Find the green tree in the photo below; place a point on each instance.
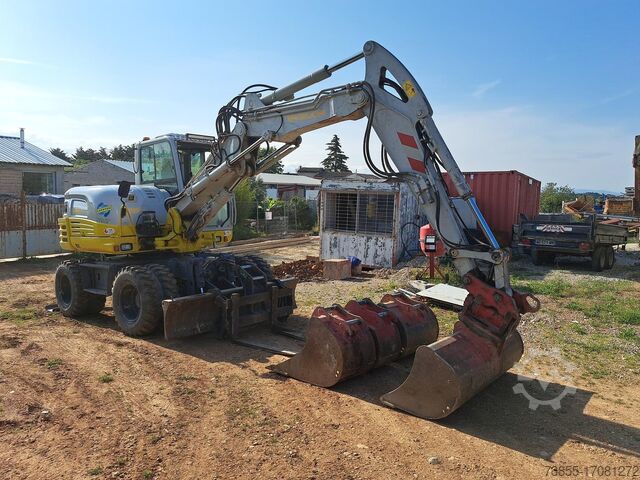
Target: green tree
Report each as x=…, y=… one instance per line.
x=249, y=194
x=103, y=153
x=123, y=152
x=86, y=154
x=277, y=167
x=336, y=159
x=552, y=196
x=58, y=152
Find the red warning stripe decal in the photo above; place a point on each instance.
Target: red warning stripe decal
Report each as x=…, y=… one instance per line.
x=417, y=165
x=407, y=140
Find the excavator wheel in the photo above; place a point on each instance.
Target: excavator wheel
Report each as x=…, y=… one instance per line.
x=137, y=301
x=72, y=299
x=167, y=280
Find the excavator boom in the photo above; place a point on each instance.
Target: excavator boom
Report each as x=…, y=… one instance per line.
x=485, y=342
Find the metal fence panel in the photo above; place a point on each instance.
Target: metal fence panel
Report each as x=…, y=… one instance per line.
x=279, y=217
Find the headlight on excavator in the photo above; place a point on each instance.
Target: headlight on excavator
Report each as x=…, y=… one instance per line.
x=125, y=247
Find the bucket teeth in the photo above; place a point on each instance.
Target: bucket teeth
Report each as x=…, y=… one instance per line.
x=345, y=342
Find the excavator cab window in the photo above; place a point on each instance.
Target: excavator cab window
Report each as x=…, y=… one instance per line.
x=190, y=162
x=156, y=163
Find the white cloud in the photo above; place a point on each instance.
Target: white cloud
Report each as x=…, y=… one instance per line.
x=618, y=96
x=17, y=61
x=483, y=88
x=551, y=149
x=583, y=154
x=16, y=93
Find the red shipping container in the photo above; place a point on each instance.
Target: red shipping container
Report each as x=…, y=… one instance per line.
x=502, y=197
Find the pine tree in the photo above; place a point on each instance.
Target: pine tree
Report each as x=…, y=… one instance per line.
x=336, y=159
x=123, y=152
x=58, y=152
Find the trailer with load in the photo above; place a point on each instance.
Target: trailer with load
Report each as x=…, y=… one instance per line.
x=553, y=234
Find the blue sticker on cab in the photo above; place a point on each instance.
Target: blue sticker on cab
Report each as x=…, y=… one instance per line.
x=103, y=210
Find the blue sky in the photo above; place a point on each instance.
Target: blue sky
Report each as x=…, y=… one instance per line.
x=550, y=88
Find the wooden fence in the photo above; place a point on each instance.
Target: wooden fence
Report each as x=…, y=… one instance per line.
x=28, y=228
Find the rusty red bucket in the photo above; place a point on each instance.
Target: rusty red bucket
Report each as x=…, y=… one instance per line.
x=416, y=321
x=447, y=373
x=344, y=342
x=339, y=345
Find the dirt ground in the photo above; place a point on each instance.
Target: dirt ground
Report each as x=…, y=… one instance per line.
x=78, y=399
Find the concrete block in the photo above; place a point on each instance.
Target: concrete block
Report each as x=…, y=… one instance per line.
x=336, y=269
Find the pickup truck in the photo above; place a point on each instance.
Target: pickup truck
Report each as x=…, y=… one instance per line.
x=549, y=235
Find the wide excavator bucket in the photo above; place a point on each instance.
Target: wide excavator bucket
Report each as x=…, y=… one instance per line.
x=338, y=346
x=450, y=371
x=345, y=342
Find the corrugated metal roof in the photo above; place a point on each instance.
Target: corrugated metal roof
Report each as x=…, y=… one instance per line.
x=10, y=152
x=125, y=165
x=282, y=179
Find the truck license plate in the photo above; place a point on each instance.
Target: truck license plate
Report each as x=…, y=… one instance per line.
x=545, y=242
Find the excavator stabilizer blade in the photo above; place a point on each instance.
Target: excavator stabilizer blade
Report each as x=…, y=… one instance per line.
x=450, y=371
x=192, y=315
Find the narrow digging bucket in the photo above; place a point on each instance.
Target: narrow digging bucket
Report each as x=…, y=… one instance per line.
x=386, y=335
x=450, y=371
x=415, y=320
x=339, y=345
x=345, y=342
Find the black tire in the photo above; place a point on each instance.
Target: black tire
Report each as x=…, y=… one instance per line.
x=536, y=257
x=167, y=280
x=610, y=258
x=550, y=258
x=137, y=302
x=72, y=300
x=598, y=259
x=542, y=258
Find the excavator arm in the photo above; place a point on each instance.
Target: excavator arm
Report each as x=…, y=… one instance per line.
x=413, y=151
x=485, y=342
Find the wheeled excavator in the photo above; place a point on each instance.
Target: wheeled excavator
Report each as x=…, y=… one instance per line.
x=150, y=244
